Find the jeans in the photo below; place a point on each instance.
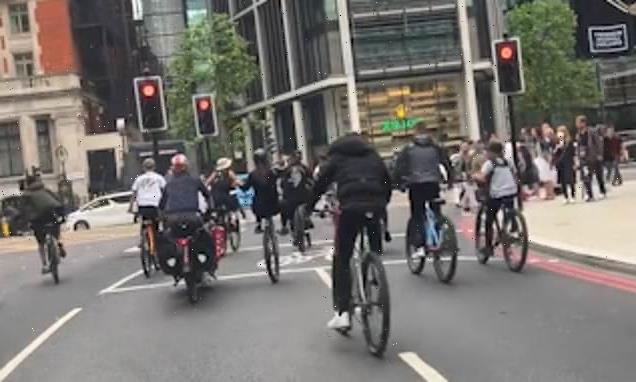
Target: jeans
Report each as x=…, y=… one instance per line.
x=612, y=168
x=572, y=187
x=419, y=194
x=350, y=222
x=493, y=206
x=593, y=169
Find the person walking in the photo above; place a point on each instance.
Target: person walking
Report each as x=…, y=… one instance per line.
x=613, y=145
x=564, y=161
x=547, y=175
x=590, y=154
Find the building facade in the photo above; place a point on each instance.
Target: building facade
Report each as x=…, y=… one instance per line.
x=332, y=66
x=53, y=109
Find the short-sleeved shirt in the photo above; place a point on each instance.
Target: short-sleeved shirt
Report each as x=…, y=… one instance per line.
x=149, y=188
x=502, y=180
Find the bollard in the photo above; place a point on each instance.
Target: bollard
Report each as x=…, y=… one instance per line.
x=4, y=224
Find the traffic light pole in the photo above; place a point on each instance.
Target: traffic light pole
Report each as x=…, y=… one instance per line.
x=155, y=147
x=208, y=153
x=513, y=142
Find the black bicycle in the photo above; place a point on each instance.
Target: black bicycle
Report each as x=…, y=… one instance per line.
x=300, y=229
x=370, y=301
x=52, y=250
x=510, y=234
x=271, y=249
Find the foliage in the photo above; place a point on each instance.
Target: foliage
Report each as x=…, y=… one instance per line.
x=212, y=58
x=556, y=81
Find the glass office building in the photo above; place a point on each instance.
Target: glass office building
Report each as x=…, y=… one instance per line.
x=332, y=66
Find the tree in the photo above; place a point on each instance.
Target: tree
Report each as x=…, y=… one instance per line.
x=212, y=58
x=556, y=81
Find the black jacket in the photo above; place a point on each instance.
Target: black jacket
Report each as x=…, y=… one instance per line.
x=362, y=179
x=38, y=202
x=419, y=163
x=181, y=194
x=265, y=203
x=296, y=183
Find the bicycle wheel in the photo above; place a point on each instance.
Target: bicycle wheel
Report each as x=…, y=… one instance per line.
x=299, y=231
x=376, y=313
x=416, y=266
x=270, y=245
x=515, y=241
x=445, y=259
x=144, y=254
x=235, y=234
x=480, y=235
x=192, y=285
x=54, y=258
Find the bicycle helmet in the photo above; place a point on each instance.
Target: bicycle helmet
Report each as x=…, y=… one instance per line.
x=260, y=156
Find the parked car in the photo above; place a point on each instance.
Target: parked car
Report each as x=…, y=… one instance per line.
x=104, y=211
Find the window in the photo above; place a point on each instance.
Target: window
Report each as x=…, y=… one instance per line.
x=196, y=11
x=44, y=145
x=100, y=203
x=11, y=163
x=23, y=64
x=122, y=199
x=19, y=16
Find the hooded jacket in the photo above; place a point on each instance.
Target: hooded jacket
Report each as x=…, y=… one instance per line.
x=361, y=177
x=419, y=162
x=38, y=201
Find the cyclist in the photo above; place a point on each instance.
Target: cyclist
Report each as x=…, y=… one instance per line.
x=296, y=185
x=42, y=208
x=418, y=168
x=147, y=190
x=363, y=190
x=263, y=180
x=498, y=176
x=222, y=181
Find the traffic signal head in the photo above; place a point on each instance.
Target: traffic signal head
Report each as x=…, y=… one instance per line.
x=509, y=66
x=151, y=110
x=205, y=118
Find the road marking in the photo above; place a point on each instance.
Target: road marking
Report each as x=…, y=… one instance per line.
x=121, y=282
x=422, y=368
x=134, y=249
x=324, y=276
x=33, y=346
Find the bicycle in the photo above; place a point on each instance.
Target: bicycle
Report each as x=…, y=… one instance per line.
x=148, y=254
x=510, y=230
x=271, y=250
x=52, y=248
x=440, y=244
x=301, y=234
x=370, y=289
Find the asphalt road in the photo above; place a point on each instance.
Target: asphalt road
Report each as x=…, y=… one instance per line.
x=557, y=321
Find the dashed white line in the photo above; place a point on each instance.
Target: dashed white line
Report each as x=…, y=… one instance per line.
x=33, y=346
x=121, y=282
x=422, y=368
x=324, y=276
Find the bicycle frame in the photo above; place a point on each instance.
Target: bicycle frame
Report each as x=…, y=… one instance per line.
x=433, y=238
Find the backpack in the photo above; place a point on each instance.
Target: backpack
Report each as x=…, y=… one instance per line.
x=483, y=192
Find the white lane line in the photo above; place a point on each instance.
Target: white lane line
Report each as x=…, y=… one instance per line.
x=33, y=346
x=134, y=249
x=121, y=282
x=422, y=368
x=324, y=276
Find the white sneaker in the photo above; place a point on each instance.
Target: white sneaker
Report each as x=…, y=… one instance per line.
x=566, y=202
x=418, y=254
x=339, y=321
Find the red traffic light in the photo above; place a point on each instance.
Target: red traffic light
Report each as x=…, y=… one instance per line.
x=506, y=52
x=204, y=104
x=148, y=90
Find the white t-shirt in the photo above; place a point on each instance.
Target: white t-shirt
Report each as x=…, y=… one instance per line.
x=502, y=181
x=149, y=188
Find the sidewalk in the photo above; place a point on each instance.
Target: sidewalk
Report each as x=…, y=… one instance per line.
x=598, y=231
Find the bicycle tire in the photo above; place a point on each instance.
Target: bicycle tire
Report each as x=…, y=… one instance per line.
x=480, y=221
x=523, y=236
x=272, y=260
x=373, y=261
x=192, y=286
x=54, y=259
x=235, y=236
x=416, y=266
x=449, y=245
x=144, y=255
x=299, y=231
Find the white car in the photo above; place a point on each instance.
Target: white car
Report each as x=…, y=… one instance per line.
x=108, y=210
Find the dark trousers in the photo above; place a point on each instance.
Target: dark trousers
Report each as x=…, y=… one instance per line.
x=493, y=207
x=612, y=168
x=419, y=195
x=590, y=170
x=287, y=211
x=572, y=188
x=350, y=223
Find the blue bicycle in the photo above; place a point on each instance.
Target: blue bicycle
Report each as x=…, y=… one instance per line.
x=439, y=242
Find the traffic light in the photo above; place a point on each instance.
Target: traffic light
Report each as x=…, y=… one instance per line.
x=151, y=107
x=509, y=66
x=205, y=119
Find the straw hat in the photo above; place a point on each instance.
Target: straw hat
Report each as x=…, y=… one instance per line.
x=223, y=164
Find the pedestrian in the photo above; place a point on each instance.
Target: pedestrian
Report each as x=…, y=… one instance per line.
x=564, y=161
x=590, y=155
x=543, y=161
x=612, y=154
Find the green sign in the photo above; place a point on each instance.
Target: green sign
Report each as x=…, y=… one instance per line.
x=392, y=125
